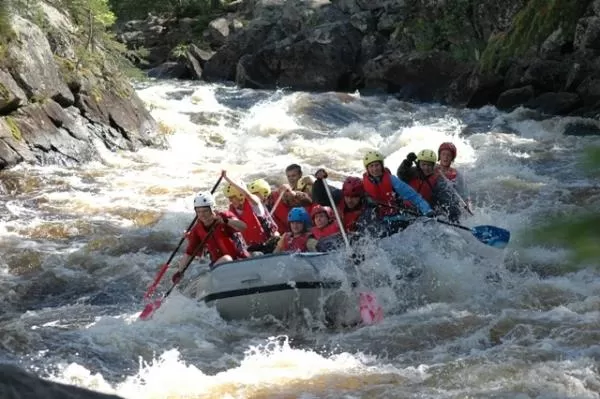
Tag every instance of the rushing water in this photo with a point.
(81, 245)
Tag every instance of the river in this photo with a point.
(81, 245)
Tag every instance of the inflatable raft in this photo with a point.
(280, 285)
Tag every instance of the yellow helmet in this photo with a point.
(372, 156)
(231, 191)
(261, 187)
(427, 156)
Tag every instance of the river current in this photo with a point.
(80, 246)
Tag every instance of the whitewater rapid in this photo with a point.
(82, 244)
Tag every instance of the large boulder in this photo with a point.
(18, 384)
(322, 59)
(34, 68)
(422, 76)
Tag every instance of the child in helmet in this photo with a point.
(299, 238)
(323, 220)
(447, 155)
(431, 186)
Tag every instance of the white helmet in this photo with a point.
(204, 199)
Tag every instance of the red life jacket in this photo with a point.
(280, 215)
(382, 193)
(450, 173)
(295, 244)
(224, 240)
(310, 207)
(254, 233)
(424, 187)
(349, 218)
(329, 230)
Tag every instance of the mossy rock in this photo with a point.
(14, 128)
(531, 26)
(4, 93)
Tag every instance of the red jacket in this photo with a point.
(382, 193)
(254, 233)
(224, 240)
(295, 244)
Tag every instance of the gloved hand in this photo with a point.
(176, 277)
(412, 157)
(321, 174)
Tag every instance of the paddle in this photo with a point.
(493, 236)
(163, 269)
(371, 311)
(150, 308)
(276, 204)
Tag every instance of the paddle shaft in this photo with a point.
(194, 254)
(277, 202)
(455, 191)
(336, 213)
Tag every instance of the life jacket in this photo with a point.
(329, 230)
(224, 240)
(254, 233)
(349, 218)
(450, 173)
(310, 207)
(280, 216)
(295, 244)
(382, 193)
(424, 186)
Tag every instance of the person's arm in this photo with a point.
(231, 221)
(279, 247)
(254, 200)
(408, 193)
(319, 194)
(406, 171)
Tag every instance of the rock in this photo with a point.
(322, 60)
(560, 103)
(546, 75)
(425, 76)
(482, 89)
(37, 73)
(363, 21)
(169, 70)
(587, 33)
(202, 56)
(347, 6)
(589, 90)
(371, 45)
(217, 32)
(18, 384)
(555, 44)
(512, 98)
(11, 95)
(582, 128)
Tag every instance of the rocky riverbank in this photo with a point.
(535, 53)
(58, 99)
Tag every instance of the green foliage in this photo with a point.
(6, 31)
(531, 26)
(579, 232)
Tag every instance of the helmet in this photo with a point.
(260, 186)
(204, 199)
(353, 187)
(372, 156)
(427, 156)
(299, 215)
(321, 209)
(231, 191)
(448, 146)
(305, 181)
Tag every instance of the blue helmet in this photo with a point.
(299, 215)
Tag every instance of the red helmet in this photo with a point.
(353, 187)
(321, 209)
(448, 146)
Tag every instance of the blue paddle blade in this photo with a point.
(491, 235)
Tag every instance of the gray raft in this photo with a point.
(280, 285)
